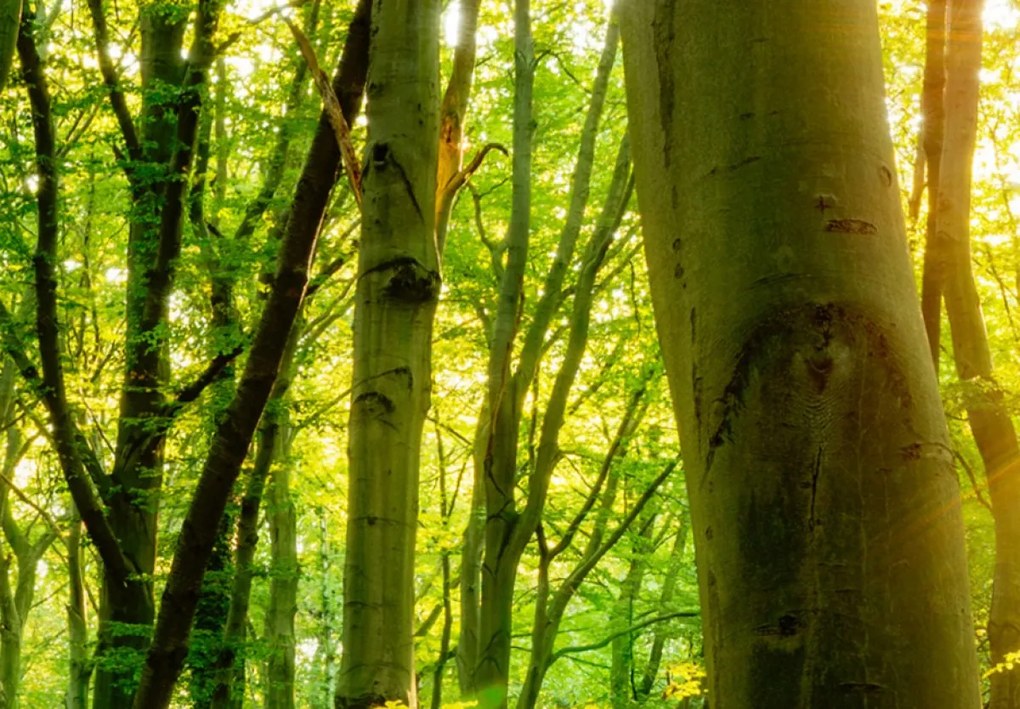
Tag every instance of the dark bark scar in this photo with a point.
(787, 626)
(383, 157)
(822, 319)
(814, 489)
(850, 226)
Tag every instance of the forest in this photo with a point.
(455, 353)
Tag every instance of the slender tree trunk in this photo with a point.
(210, 618)
(397, 292)
(446, 507)
(230, 664)
(621, 689)
(990, 420)
(933, 110)
(79, 668)
(823, 497)
(213, 607)
(498, 471)
(508, 528)
(17, 586)
(283, 585)
(10, 640)
(470, 585)
(669, 583)
(328, 624)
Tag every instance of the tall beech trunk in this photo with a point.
(823, 498)
(397, 291)
(990, 420)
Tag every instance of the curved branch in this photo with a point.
(575, 649)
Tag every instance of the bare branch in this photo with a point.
(331, 104)
(575, 649)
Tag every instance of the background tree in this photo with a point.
(951, 136)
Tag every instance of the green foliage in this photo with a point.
(10, 19)
(246, 114)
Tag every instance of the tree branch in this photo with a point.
(192, 391)
(575, 649)
(117, 99)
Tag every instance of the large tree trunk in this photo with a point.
(397, 292)
(990, 420)
(823, 496)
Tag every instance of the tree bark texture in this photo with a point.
(397, 291)
(824, 503)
